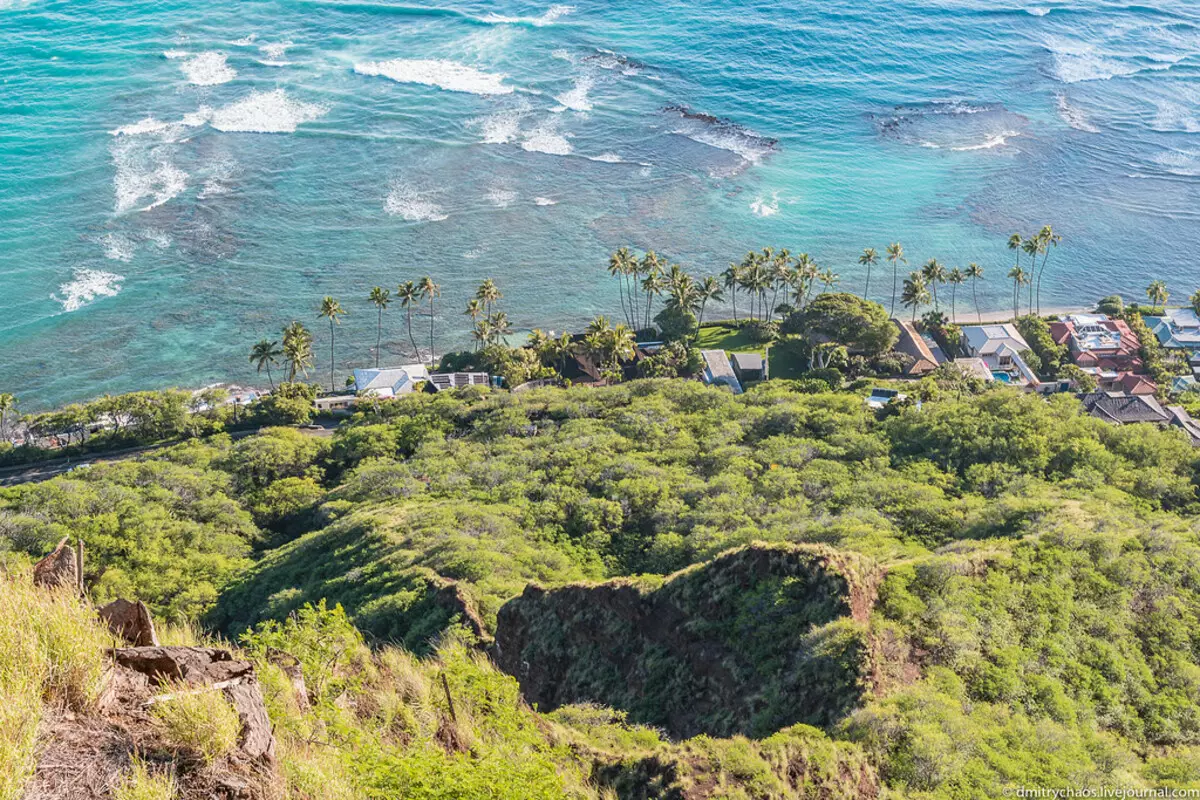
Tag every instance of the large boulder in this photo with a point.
(195, 665)
(130, 621)
(210, 666)
(59, 569)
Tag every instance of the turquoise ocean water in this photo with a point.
(181, 178)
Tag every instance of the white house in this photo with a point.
(717, 369)
(999, 345)
(391, 381)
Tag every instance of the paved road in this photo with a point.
(11, 476)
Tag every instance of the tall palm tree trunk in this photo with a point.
(378, 337)
(331, 379)
(269, 378)
(892, 313)
(411, 338)
(867, 287)
(975, 294)
(431, 331)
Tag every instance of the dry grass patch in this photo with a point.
(201, 721)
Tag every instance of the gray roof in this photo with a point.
(747, 361)
(717, 369)
(457, 380)
(1122, 409)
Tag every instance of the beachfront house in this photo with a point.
(1000, 345)
(390, 382)
(1104, 348)
(976, 368)
(1177, 328)
(718, 370)
(913, 345)
(748, 367)
(441, 381)
(1124, 409)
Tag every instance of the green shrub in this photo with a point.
(200, 720)
(142, 783)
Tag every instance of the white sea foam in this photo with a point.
(405, 202)
(750, 148)
(547, 139)
(501, 197)
(544, 201)
(1184, 163)
(766, 208)
(608, 158)
(1172, 117)
(145, 126)
(268, 63)
(118, 247)
(1074, 116)
(275, 51)
(552, 15)
(197, 118)
(160, 239)
(448, 75)
(246, 41)
(173, 54)
(208, 69)
(1037, 11)
(265, 112)
(87, 285)
(576, 98)
(142, 174)
(996, 140)
(562, 55)
(503, 126)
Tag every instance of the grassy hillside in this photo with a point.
(1036, 621)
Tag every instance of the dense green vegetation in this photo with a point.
(1038, 622)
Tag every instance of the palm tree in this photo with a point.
(331, 310)
(1019, 279)
(499, 325)
(895, 254)
(409, 295)
(934, 273)
(1015, 243)
(488, 294)
(709, 289)
(7, 403)
(806, 272)
(1049, 239)
(781, 273)
(868, 259)
(483, 333)
(263, 355)
(297, 349)
(429, 291)
(562, 348)
(915, 293)
(651, 269)
(1157, 292)
(382, 298)
(620, 344)
(828, 279)
(653, 285)
(539, 342)
(1033, 246)
(975, 272)
(956, 278)
(731, 279)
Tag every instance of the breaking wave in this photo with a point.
(448, 75)
(85, 286)
(207, 69)
(722, 134)
(552, 15)
(405, 202)
(547, 139)
(265, 112)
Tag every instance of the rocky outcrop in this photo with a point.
(758, 639)
(131, 622)
(215, 668)
(59, 569)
